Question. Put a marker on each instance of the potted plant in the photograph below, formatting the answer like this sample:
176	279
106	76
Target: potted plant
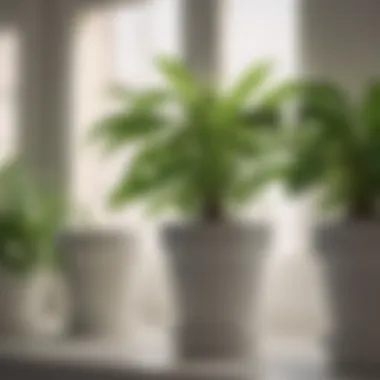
202	151
32	292
338	152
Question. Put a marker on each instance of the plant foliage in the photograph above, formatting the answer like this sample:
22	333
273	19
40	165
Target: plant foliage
339	147
197	148
30	218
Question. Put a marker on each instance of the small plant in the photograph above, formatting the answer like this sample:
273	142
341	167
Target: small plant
197	148
339	148
30	218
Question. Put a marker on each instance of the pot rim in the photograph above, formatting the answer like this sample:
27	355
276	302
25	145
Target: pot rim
232	224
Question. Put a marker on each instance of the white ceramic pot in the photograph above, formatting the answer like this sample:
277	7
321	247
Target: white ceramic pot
216	269
99	266
351	254
33	304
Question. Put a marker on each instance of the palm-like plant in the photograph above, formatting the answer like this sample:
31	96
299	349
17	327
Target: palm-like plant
339	149
198	148
30	219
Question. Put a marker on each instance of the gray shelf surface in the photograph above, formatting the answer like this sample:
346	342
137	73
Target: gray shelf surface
153	358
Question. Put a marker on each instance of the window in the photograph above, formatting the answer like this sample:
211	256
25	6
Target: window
114	45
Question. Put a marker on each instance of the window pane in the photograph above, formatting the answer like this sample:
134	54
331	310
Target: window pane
257	29
113	45
142	32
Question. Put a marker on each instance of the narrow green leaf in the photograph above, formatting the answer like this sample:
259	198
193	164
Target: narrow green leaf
252	80
179	78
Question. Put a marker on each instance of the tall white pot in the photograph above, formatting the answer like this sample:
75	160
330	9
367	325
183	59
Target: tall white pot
351	254
99	265
216	269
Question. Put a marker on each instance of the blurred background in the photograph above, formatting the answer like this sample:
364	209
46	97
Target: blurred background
57	58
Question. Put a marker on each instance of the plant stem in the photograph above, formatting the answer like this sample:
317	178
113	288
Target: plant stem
363	208
213	211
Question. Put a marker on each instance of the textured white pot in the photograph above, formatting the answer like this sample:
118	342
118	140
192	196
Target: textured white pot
351	253
216	270
99	267
33	304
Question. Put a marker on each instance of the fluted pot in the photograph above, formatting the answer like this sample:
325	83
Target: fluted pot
99	266
216	269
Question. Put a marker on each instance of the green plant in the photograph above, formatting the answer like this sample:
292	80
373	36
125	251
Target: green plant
197	148
30	218
339	148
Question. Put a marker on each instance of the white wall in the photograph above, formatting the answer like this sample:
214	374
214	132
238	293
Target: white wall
7	8
45	30
340	39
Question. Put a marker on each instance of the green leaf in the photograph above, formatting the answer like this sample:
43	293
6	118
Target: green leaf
252	80
309	158
280	95
328	105
152	169
179	79
370	114
261	117
118	129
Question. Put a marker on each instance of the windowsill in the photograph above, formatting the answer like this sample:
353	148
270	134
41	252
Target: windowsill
139	360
